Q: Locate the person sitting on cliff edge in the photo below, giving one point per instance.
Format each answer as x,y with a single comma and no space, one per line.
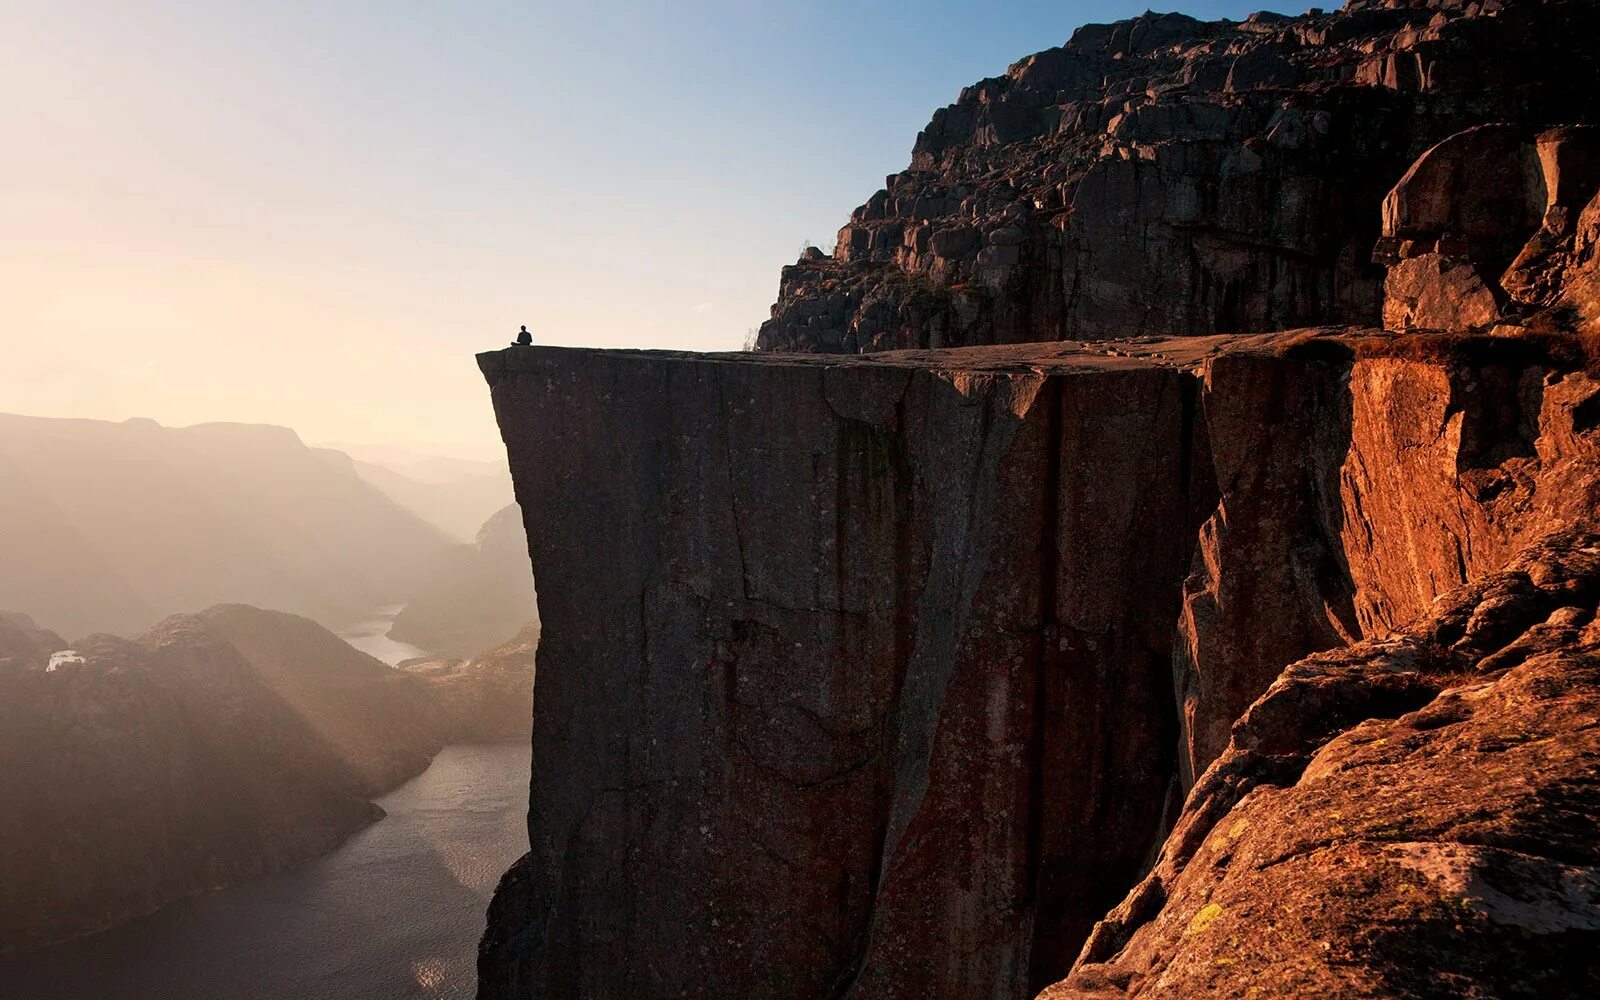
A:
524,338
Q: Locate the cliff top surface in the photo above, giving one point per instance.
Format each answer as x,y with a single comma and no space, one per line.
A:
1173,352
1566,350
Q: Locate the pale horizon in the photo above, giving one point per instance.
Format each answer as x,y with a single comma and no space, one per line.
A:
314,216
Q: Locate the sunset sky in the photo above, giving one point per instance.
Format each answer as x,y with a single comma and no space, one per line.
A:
313,214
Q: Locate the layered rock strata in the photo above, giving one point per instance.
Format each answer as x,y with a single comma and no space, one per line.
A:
1166,175
859,676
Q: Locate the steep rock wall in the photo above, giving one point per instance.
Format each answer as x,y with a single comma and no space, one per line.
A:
842,689
858,674
1352,494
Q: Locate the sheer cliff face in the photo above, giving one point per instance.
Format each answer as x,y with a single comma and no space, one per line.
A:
1353,495
1170,176
840,673
880,676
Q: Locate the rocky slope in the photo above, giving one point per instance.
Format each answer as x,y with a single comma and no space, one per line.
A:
487,698
1412,815
211,748
24,644
473,597
111,526
1166,175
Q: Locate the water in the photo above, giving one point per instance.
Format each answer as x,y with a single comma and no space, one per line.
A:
371,636
392,914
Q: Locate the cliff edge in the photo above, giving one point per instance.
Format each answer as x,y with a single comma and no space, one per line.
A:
886,675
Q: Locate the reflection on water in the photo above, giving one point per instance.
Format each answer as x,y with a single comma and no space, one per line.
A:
371,636
393,914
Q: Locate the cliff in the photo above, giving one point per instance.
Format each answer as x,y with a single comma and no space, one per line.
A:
1166,175
1143,661
886,675
210,749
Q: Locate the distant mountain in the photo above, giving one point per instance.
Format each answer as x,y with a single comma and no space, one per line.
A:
211,748
23,644
375,718
475,596
454,496
109,526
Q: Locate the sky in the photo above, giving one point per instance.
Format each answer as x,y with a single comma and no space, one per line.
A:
314,213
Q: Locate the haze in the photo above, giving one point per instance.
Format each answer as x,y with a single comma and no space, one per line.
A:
312,214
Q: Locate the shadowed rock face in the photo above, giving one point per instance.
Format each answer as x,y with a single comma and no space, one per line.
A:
1172,176
1497,227
857,675
842,687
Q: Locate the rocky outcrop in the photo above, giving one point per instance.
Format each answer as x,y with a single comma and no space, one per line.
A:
474,596
895,666
1406,816
1496,228
872,675
1166,175
485,699
212,748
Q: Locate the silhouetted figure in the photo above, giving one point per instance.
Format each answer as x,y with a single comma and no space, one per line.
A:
524,338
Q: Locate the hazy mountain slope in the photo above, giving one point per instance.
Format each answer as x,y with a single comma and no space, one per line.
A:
52,569
380,721
109,525
24,645
212,748
476,596
456,498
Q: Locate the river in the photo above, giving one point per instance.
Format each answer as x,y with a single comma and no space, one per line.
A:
371,636
392,914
